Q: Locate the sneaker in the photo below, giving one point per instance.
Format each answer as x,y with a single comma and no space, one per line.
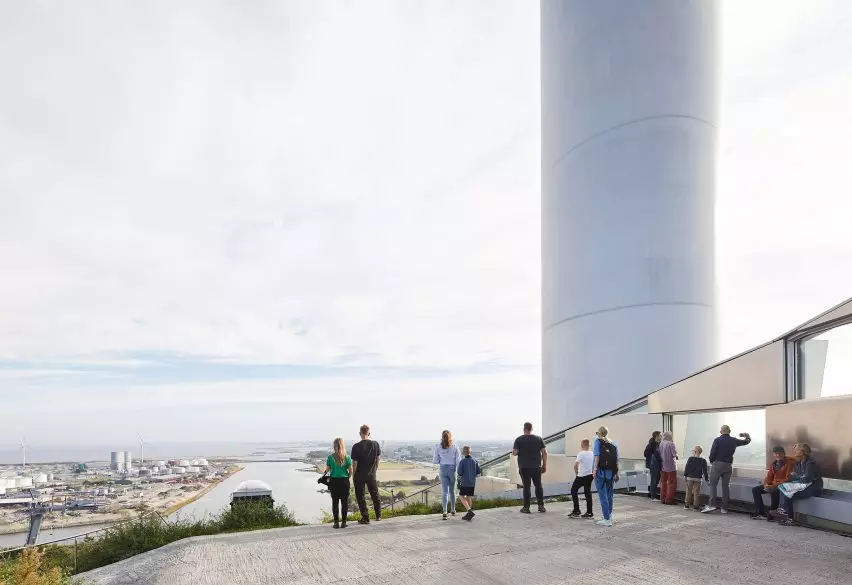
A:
525,510
364,521
378,518
588,515
604,522
686,506
343,524
697,508
574,514
336,525
723,511
708,509
453,513
444,517
541,509
469,516
758,516
787,522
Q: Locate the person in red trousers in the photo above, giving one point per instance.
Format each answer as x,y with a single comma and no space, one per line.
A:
668,476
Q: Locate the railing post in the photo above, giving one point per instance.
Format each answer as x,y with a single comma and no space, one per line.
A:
393,500
75,554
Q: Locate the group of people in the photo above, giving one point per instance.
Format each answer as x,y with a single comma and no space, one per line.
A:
787,480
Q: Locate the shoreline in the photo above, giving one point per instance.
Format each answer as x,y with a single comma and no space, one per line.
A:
174,508
77,523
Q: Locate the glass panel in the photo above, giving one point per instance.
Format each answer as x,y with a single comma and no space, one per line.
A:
825,363
557,446
701,428
840,485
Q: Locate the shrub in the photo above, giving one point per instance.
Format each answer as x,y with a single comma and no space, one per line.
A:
151,531
29,568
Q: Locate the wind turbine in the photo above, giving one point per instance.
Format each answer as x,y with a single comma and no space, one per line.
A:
141,452
24,447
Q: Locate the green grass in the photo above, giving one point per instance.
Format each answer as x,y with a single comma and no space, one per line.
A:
151,532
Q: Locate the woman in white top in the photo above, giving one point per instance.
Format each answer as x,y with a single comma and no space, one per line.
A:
447,455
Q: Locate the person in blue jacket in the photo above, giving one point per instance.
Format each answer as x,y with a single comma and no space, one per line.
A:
468,469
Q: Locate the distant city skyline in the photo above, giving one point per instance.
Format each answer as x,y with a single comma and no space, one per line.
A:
281,223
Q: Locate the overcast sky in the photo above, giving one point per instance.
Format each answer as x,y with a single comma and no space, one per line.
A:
273,220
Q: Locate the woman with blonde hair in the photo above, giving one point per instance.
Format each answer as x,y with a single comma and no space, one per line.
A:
448,456
339,467
605,471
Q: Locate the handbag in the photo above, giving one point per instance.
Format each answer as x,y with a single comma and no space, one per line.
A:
323,479
792,487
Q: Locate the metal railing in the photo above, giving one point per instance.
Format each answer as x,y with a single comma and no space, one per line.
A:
491,463
6,553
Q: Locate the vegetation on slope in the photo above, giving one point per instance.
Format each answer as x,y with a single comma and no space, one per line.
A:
132,538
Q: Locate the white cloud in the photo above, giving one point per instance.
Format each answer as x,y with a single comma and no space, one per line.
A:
327,182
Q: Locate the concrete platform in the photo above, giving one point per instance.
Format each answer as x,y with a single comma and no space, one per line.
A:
649,543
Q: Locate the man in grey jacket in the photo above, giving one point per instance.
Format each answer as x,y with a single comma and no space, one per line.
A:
722,465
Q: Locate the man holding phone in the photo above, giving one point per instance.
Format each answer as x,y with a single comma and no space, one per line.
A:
722,465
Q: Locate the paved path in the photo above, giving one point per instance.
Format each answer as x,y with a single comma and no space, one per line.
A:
649,543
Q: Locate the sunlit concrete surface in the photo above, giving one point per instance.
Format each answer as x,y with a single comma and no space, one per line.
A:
649,543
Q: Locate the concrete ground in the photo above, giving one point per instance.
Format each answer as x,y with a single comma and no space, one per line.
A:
649,543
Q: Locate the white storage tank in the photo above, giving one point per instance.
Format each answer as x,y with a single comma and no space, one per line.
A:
2,490
116,460
50,477
193,469
128,460
184,463
23,482
179,470
40,478
161,463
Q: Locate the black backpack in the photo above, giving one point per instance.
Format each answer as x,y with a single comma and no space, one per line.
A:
608,458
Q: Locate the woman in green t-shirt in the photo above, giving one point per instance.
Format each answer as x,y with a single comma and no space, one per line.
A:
339,467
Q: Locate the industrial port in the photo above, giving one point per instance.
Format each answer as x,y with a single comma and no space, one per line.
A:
81,494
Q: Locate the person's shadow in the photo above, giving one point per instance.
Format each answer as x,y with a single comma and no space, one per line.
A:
846,468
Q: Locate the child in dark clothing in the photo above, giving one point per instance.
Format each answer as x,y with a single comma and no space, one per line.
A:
694,470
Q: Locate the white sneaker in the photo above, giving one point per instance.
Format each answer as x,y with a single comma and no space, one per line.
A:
708,509
604,522
723,511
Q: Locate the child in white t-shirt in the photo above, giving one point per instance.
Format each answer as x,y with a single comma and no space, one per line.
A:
583,468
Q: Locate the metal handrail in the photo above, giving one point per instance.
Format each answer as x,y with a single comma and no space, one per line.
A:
85,534
497,460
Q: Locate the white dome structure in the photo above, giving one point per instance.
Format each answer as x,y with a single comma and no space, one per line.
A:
252,490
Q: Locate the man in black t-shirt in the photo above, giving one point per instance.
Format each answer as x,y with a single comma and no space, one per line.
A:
365,462
532,462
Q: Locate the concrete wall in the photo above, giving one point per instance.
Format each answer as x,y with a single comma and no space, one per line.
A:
628,166
754,379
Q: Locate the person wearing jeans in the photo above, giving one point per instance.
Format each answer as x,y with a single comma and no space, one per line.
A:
806,471
605,472
447,456
722,466
778,473
668,474
532,462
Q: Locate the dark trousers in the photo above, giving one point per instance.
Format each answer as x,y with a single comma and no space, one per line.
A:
808,492
584,482
654,488
368,481
757,493
339,488
534,476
